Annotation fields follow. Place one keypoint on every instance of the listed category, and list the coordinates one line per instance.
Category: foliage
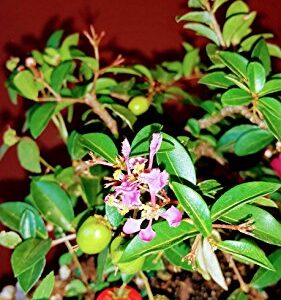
(155, 176)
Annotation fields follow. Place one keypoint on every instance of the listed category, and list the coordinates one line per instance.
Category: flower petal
(276, 165)
(132, 226)
(156, 180)
(154, 147)
(147, 234)
(126, 149)
(173, 216)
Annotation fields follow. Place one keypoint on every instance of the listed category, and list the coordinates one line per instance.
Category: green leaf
(235, 62)
(9, 239)
(271, 110)
(266, 227)
(39, 117)
(246, 250)
(232, 27)
(241, 194)
(236, 96)
(70, 41)
(231, 136)
(28, 278)
(44, 290)
(75, 147)
(29, 155)
(196, 16)
(203, 31)
(104, 85)
(26, 84)
(153, 263)
(101, 144)
(113, 215)
(28, 253)
(166, 237)
(144, 70)
(216, 79)
(237, 7)
(237, 295)
(122, 70)
(55, 39)
(28, 224)
(53, 203)
(264, 278)
(190, 60)
(217, 4)
(176, 254)
(274, 50)
(261, 52)
(194, 206)
(124, 113)
(256, 76)
(59, 75)
(141, 142)
(252, 142)
(75, 288)
(248, 43)
(10, 137)
(177, 162)
(271, 86)
(11, 213)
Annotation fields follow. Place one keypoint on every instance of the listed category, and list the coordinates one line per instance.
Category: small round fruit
(129, 268)
(93, 237)
(138, 105)
(111, 294)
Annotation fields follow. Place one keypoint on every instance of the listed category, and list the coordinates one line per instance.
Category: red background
(142, 30)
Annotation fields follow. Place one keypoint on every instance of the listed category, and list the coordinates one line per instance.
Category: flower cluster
(138, 186)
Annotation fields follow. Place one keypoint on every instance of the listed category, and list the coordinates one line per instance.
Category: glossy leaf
(190, 60)
(196, 16)
(39, 117)
(237, 7)
(68, 42)
(53, 203)
(212, 264)
(75, 146)
(144, 70)
(216, 79)
(11, 213)
(271, 110)
(241, 194)
(235, 62)
(9, 239)
(28, 253)
(270, 87)
(101, 144)
(256, 76)
(104, 85)
(252, 142)
(124, 113)
(177, 162)
(194, 206)
(55, 39)
(26, 84)
(231, 136)
(141, 142)
(113, 215)
(246, 250)
(261, 53)
(236, 96)
(166, 237)
(59, 75)
(28, 224)
(44, 290)
(29, 155)
(264, 278)
(176, 254)
(266, 227)
(28, 278)
(203, 31)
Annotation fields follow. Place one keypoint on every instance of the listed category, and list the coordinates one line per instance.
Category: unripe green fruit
(138, 105)
(116, 250)
(93, 237)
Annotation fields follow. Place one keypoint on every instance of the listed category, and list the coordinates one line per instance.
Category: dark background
(144, 31)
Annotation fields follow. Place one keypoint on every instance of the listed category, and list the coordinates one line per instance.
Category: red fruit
(111, 294)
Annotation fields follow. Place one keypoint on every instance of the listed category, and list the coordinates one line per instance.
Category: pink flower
(126, 150)
(129, 193)
(173, 216)
(154, 147)
(276, 165)
(136, 160)
(133, 226)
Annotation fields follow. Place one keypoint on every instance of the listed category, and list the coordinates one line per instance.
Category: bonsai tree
(135, 197)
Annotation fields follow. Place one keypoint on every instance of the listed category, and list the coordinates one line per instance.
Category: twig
(192, 254)
(63, 239)
(244, 287)
(147, 286)
(46, 164)
(243, 228)
(207, 150)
